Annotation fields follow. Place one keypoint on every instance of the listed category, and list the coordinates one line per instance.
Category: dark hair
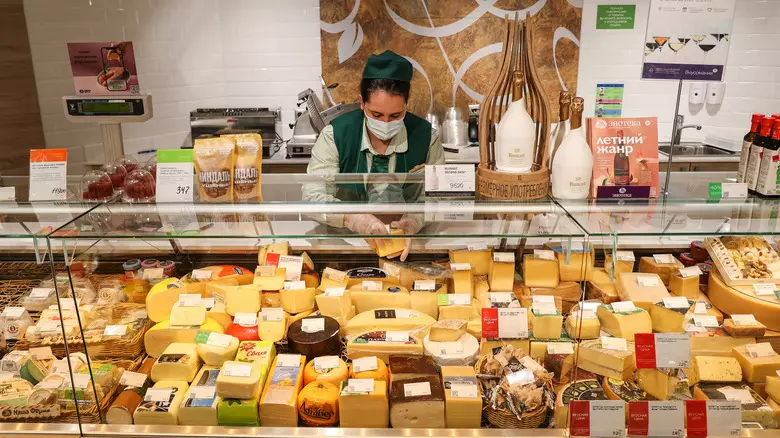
(390, 86)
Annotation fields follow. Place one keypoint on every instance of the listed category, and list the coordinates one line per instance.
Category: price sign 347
(183, 190)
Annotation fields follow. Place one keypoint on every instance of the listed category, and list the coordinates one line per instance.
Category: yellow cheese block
(363, 410)
(179, 361)
(773, 387)
(757, 369)
(481, 285)
(713, 369)
(243, 385)
(624, 325)
(297, 301)
(474, 328)
(242, 299)
(463, 281)
(567, 293)
(199, 411)
(461, 412)
(539, 272)
(604, 292)
(539, 347)
(281, 248)
(375, 343)
(547, 326)
(389, 247)
(447, 330)
(579, 266)
(205, 287)
(479, 259)
(610, 363)
(687, 287)
(391, 295)
(278, 404)
(464, 312)
(743, 300)
(621, 266)
(660, 383)
(666, 320)
(664, 270)
(331, 375)
(269, 277)
(272, 331)
(629, 289)
(216, 355)
(162, 334)
(161, 298)
(425, 301)
(334, 306)
(774, 405)
(583, 328)
(389, 319)
(162, 413)
(716, 342)
(493, 346)
(188, 315)
(601, 276)
(502, 276)
(333, 278)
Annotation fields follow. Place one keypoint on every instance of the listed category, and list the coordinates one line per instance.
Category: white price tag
(672, 350)
(733, 190)
(158, 394)
(265, 271)
(463, 390)
(288, 360)
(625, 256)
(666, 418)
(174, 176)
(245, 319)
(201, 274)
(748, 319)
(544, 309)
(623, 306)
(235, 369)
(272, 314)
(705, 321)
(544, 254)
(450, 180)
(324, 363)
(417, 389)
(460, 266)
(371, 285)
(131, 379)
(737, 394)
(204, 392)
(360, 385)
(425, 285)
(459, 299)
(614, 343)
(724, 418)
(313, 325)
(397, 336)
(501, 297)
(593, 306)
(41, 292)
(607, 418)
(8, 193)
(293, 266)
(764, 289)
(650, 280)
(335, 291)
(522, 377)
(153, 273)
(405, 313)
(509, 257)
(190, 300)
(115, 330)
(527, 362)
(450, 348)
(690, 271)
(512, 323)
(367, 363)
(48, 175)
(700, 308)
(560, 348)
(477, 246)
(761, 349)
(294, 285)
(13, 312)
(543, 299)
(676, 303)
(664, 259)
(219, 340)
(209, 303)
(334, 275)
(80, 381)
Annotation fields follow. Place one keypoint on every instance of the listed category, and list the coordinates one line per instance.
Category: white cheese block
(214, 353)
(162, 412)
(188, 315)
(462, 352)
(180, 361)
(199, 407)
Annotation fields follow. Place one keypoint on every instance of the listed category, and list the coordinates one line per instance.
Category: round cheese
(325, 342)
(588, 389)
(318, 404)
(242, 332)
(463, 352)
(330, 375)
(742, 300)
(380, 373)
(622, 390)
(161, 298)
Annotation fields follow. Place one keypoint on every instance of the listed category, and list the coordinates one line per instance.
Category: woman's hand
(410, 226)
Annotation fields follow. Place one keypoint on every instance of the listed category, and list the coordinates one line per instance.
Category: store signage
(48, 175)
(615, 17)
(727, 190)
(707, 418)
(103, 68)
(450, 180)
(505, 323)
(662, 350)
(174, 175)
(597, 418)
(656, 418)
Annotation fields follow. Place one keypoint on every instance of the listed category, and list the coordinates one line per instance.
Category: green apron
(348, 135)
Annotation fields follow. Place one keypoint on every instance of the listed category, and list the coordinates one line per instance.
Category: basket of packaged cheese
(115, 332)
(516, 390)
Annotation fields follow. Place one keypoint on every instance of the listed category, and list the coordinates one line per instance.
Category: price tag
(463, 390)
(417, 389)
(676, 303)
(560, 348)
(543, 299)
(158, 394)
(371, 285)
(450, 348)
(592, 307)
(709, 418)
(324, 363)
(656, 418)
(662, 350)
(505, 323)
(236, 369)
(737, 394)
(41, 292)
(527, 362)
(648, 280)
(293, 266)
(42, 353)
(544, 254)
(664, 259)
(508, 257)
(153, 273)
(700, 308)
(454, 299)
(294, 285)
(460, 266)
(623, 306)
(219, 340)
(201, 274)
(425, 285)
(335, 291)
(334, 275)
(131, 379)
(690, 271)
(718, 190)
(597, 418)
(190, 300)
(245, 319)
(313, 325)
(174, 175)
(367, 363)
(48, 175)
(272, 314)
(265, 271)
(8, 193)
(477, 246)
(288, 360)
(544, 309)
(501, 297)
(115, 330)
(202, 392)
(705, 321)
(748, 319)
(614, 343)
(397, 336)
(522, 377)
(625, 256)
(764, 289)
(405, 313)
(360, 385)
(13, 312)
(450, 180)
(762, 349)
(209, 303)
(80, 381)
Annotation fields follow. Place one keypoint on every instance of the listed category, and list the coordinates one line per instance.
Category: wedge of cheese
(281, 248)
(663, 270)
(244, 299)
(214, 351)
(479, 259)
(162, 297)
(272, 330)
(242, 380)
(297, 301)
(713, 369)
(278, 403)
(188, 315)
(606, 362)
(624, 325)
(377, 343)
(162, 334)
(335, 306)
(757, 369)
(539, 272)
(270, 277)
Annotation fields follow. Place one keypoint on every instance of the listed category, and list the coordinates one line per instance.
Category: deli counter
(260, 319)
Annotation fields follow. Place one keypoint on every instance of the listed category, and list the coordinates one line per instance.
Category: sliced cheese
(501, 276)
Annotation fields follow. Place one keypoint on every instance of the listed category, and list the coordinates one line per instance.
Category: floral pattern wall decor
(454, 45)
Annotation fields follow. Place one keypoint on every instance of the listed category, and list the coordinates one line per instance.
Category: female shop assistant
(383, 137)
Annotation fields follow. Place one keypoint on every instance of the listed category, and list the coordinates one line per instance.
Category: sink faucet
(678, 129)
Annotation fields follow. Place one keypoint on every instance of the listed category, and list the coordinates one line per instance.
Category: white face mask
(384, 130)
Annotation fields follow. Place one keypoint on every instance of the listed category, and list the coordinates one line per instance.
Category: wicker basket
(13, 270)
(504, 419)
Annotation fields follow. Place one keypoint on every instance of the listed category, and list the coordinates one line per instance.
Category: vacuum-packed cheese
(278, 404)
(242, 380)
(179, 361)
(160, 406)
(199, 407)
(215, 348)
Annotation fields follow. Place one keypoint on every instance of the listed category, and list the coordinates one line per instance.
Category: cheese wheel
(380, 373)
(742, 300)
(318, 404)
(331, 375)
(588, 389)
(325, 342)
(162, 334)
(162, 297)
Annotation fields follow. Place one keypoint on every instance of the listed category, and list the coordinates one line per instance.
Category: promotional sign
(48, 175)
(687, 39)
(707, 418)
(597, 418)
(656, 418)
(174, 175)
(663, 350)
(625, 157)
(450, 180)
(103, 68)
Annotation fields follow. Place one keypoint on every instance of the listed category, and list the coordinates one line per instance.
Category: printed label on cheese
(543, 254)
(367, 363)
(218, 340)
(294, 285)
(245, 319)
(395, 313)
(509, 257)
(371, 285)
(133, 380)
(676, 303)
(293, 266)
(737, 394)
(464, 390)
(454, 299)
(313, 325)
(288, 360)
(190, 300)
(450, 348)
(272, 314)
(417, 389)
(324, 364)
(425, 285)
(690, 271)
(522, 377)
(365, 386)
(647, 280)
(202, 392)
(625, 256)
(664, 259)
(234, 369)
(42, 353)
(614, 343)
(762, 349)
(265, 271)
(748, 319)
(501, 297)
(764, 289)
(705, 321)
(335, 291)
(656, 418)
(623, 307)
(560, 348)
(541, 309)
(334, 275)
(209, 303)
(201, 274)
(700, 308)
(41, 292)
(159, 395)
(397, 336)
(460, 266)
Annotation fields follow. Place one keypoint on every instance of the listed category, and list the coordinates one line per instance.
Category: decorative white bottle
(561, 128)
(573, 162)
(516, 134)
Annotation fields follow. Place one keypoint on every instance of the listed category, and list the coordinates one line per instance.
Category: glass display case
(262, 319)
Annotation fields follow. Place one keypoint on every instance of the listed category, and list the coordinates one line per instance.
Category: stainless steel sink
(694, 149)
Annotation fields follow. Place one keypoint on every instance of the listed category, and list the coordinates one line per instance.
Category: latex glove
(410, 226)
(365, 224)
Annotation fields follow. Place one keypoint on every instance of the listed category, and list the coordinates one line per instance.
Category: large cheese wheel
(161, 298)
(742, 300)
(162, 334)
(587, 389)
(330, 375)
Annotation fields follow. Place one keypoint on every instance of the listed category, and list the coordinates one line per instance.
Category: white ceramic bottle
(573, 162)
(515, 135)
(562, 127)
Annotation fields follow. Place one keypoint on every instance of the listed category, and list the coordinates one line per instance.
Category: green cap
(388, 65)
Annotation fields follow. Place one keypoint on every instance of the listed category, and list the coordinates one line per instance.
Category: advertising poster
(687, 39)
(103, 68)
(609, 100)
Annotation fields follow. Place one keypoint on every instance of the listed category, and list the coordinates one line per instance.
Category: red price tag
(723, 418)
(272, 259)
(696, 415)
(638, 418)
(579, 423)
(645, 354)
(490, 323)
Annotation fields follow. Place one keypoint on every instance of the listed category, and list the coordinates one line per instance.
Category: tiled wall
(752, 74)
(191, 54)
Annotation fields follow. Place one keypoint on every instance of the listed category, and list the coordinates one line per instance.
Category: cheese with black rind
(326, 342)
(406, 367)
(586, 389)
(417, 411)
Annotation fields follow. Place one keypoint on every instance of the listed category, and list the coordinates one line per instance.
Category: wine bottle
(559, 132)
(516, 133)
(572, 165)
(747, 141)
(754, 161)
(622, 168)
(770, 158)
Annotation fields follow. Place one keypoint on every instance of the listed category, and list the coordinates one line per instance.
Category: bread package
(247, 176)
(214, 161)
